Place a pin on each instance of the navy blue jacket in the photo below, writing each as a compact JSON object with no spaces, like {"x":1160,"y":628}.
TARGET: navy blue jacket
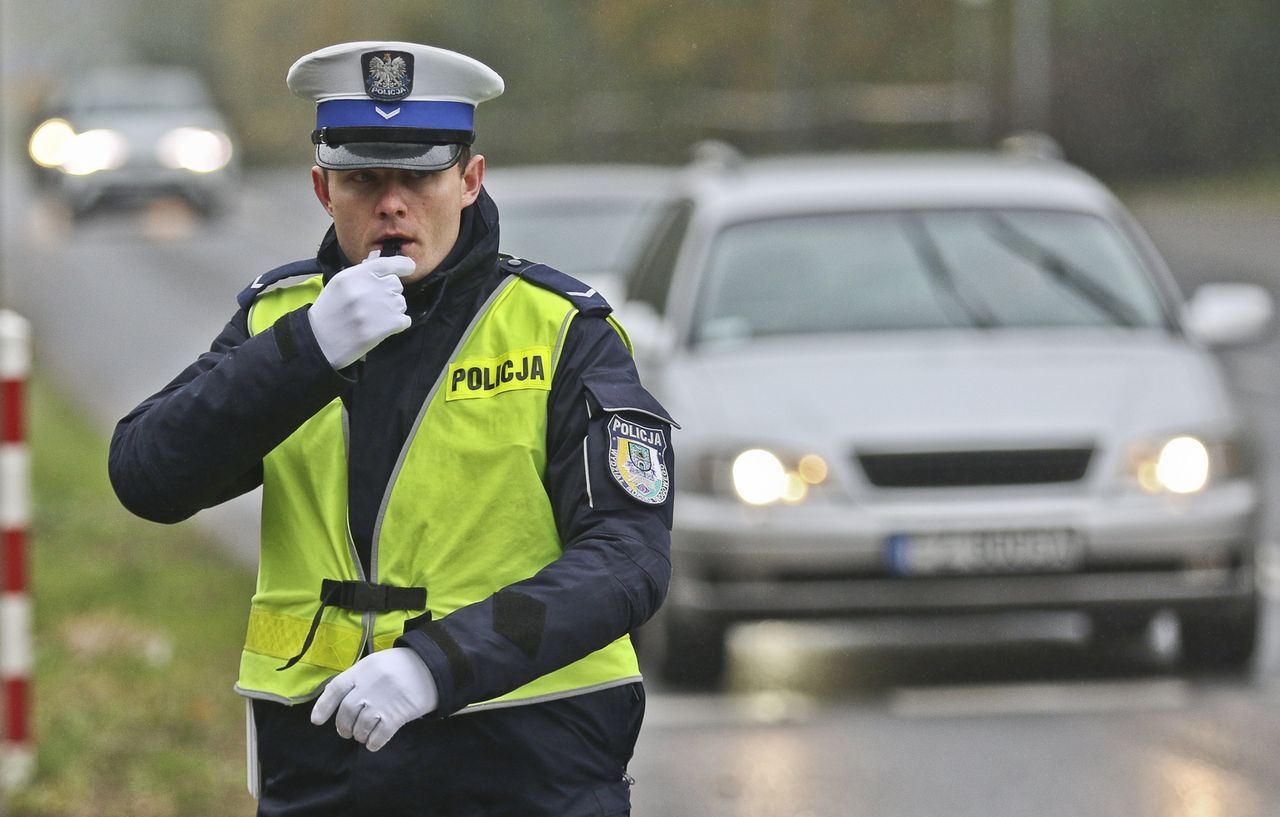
{"x":202,"y":438}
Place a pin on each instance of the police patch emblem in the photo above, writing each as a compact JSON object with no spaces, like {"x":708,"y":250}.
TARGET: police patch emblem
{"x":388,"y":75}
{"x":635,"y":460}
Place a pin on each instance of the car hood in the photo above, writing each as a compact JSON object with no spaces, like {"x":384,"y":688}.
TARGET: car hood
{"x":948,"y":389}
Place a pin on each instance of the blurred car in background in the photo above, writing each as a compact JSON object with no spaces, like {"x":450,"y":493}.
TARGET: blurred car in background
{"x":940,"y":385}
{"x":586,"y":220}
{"x":133,"y":134}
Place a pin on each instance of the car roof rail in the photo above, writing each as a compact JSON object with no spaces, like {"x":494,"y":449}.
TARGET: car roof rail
{"x":1030,"y":144}
{"x":715,"y":155}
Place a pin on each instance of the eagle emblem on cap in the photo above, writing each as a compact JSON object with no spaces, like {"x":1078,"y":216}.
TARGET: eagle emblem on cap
{"x":388,"y":75}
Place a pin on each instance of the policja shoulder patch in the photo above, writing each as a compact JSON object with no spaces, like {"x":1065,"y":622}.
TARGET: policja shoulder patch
{"x":636,"y":461}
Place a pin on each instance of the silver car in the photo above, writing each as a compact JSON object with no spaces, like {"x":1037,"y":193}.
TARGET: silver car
{"x":134,"y":134}
{"x":941,"y":385}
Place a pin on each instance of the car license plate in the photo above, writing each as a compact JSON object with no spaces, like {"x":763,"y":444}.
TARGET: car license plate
{"x":969,"y":552}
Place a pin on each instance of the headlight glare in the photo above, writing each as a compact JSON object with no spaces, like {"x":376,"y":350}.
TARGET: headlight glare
{"x":93,"y":151}
{"x":50,"y":142}
{"x":1182,"y":466}
{"x":759,"y":477}
{"x":812,"y":469}
{"x":195,"y":149}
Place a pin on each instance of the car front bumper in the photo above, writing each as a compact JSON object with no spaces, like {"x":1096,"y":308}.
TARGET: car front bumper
{"x":733,"y":562}
{"x":134,"y":182}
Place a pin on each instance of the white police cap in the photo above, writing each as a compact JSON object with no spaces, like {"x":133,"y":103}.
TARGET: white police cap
{"x":392,"y":104}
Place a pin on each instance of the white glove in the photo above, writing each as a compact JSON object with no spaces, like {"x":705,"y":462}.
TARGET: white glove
{"x":378,"y":695}
{"x":360,"y":307}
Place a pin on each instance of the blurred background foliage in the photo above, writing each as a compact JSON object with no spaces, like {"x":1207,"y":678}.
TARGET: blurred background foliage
{"x":1128,"y":88}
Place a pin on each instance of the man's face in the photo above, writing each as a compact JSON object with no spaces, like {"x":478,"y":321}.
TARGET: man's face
{"x":421,"y":208}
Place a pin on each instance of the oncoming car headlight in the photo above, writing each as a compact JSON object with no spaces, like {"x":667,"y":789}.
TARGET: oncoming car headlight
{"x":50,"y":142}
{"x":93,"y":151}
{"x":56,"y":144}
{"x":195,"y":149}
{"x":760,"y":477}
{"x":1181,"y":465}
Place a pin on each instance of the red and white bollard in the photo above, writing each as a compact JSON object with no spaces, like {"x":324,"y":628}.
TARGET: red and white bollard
{"x":18,"y":761}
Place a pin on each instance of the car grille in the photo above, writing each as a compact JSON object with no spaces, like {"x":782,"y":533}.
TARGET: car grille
{"x":948,"y":469}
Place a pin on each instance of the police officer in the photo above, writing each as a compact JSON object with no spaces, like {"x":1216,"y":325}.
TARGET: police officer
{"x":466,"y":489}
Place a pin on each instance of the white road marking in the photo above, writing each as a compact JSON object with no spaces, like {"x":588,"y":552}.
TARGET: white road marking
{"x":1040,"y":699}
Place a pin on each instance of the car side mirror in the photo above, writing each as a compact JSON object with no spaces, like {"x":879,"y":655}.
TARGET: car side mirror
{"x":651,"y":336}
{"x":1227,"y":314}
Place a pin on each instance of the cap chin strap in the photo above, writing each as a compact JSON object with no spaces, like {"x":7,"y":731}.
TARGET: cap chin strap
{"x":336,"y":137}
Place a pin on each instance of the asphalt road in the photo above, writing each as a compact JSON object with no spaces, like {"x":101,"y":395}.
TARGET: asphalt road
{"x":891,"y":719}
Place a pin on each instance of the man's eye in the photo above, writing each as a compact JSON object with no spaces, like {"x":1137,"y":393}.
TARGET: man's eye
{"x":420,"y":174}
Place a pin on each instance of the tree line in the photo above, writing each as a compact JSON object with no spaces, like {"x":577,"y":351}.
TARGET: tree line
{"x":1160,"y":85}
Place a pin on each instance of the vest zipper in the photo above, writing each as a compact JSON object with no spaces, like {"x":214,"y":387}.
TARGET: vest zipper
{"x":366,"y":619}
{"x":376,"y":540}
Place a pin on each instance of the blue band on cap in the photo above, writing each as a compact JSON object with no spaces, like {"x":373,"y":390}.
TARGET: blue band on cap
{"x":347,"y":113}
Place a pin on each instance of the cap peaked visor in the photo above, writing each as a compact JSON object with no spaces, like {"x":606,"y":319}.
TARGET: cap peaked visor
{"x":408,"y":135}
{"x":395,"y":155}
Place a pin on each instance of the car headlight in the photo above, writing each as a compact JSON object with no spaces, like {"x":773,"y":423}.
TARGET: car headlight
{"x":195,"y":149}
{"x":50,"y":142}
{"x":757,"y":476}
{"x":1182,"y":465}
{"x":93,"y":151}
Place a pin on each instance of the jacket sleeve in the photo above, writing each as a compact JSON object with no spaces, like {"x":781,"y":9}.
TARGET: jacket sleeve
{"x":200,"y":440}
{"x":615,"y":566}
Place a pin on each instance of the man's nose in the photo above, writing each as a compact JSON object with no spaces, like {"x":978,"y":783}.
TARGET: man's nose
{"x":392,"y":200}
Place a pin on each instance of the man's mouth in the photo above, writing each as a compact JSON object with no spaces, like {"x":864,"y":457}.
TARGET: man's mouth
{"x":392,"y":244}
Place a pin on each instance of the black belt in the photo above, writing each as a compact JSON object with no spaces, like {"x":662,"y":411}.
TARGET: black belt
{"x":362,"y":597}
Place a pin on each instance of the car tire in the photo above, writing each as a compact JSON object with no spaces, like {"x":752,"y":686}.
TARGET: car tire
{"x":1119,"y":631}
{"x":694,"y":651}
{"x":207,"y":207}
{"x":1221,"y":640}
{"x":81,"y":210}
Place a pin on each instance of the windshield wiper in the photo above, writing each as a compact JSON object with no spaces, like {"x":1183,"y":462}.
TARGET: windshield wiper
{"x":1060,"y":270}
{"x":978,"y":314}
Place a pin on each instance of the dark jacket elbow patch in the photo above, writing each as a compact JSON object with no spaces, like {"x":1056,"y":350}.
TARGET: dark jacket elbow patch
{"x":520,"y":619}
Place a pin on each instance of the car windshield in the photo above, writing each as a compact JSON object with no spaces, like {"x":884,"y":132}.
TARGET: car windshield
{"x":140,"y":91}
{"x":578,"y":237}
{"x":884,"y":271}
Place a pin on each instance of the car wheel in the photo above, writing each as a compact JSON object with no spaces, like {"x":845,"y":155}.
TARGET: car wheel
{"x":207,"y":207}
{"x":1119,"y":631}
{"x":81,"y":210}
{"x":693,"y":652}
{"x":1220,"y":640}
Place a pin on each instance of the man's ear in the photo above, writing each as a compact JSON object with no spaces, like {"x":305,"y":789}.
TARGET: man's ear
{"x":472,"y":178}
{"x":320,"y":184}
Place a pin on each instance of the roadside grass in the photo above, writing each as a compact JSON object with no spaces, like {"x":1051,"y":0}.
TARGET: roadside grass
{"x":137,"y":635}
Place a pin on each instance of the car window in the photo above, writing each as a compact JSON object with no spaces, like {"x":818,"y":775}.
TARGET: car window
{"x":140,"y":91}
{"x":921,"y":270}
{"x":579,"y":237}
{"x":650,"y":280}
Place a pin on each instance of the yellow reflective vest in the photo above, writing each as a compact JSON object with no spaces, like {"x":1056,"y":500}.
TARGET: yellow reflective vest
{"x":465,"y":515}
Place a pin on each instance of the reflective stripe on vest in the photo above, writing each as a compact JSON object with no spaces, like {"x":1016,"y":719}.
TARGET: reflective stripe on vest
{"x":465,"y":515}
